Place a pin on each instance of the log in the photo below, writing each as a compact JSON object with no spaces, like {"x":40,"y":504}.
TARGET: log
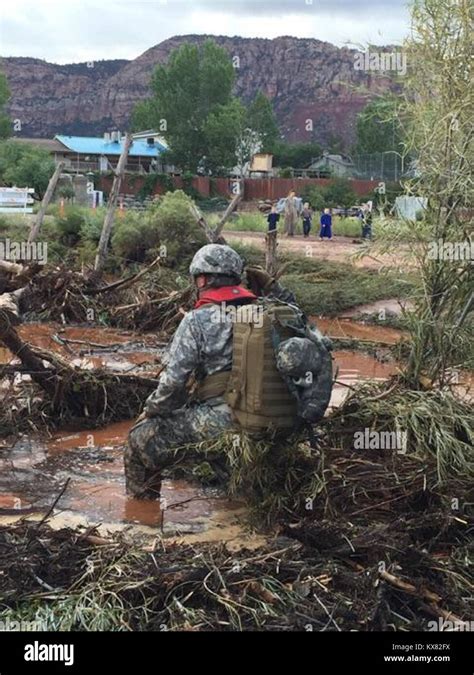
{"x":123,"y":283}
{"x":39,"y":373}
{"x":45,"y":202}
{"x":9,"y":306}
{"x":271,"y":263}
{"x":227,"y":213}
{"x":10,"y":267}
{"x":109,"y":216}
{"x":201,"y":221}
{"x":213,"y":235}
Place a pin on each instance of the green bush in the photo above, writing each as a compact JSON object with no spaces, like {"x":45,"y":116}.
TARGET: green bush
{"x":92,"y":225}
{"x":68,"y":226}
{"x":167,"y":223}
{"x":339,"y":193}
{"x":314,"y":194}
{"x":133,"y":236}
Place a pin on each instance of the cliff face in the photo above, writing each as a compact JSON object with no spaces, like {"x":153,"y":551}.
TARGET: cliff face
{"x":304,"y":78}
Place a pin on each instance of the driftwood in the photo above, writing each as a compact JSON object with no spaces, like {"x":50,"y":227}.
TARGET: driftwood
{"x":123,"y":283}
{"x":271,"y":263}
{"x":109,"y":216}
{"x":10,"y":338}
{"x":45,"y":202}
{"x":213,"y":235}
{"x":74,"y":393}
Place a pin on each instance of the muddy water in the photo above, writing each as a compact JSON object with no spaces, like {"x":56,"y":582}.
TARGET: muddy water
{"x":345,"y":328}
{"x":90,"y":347}
{"x":33,"y":471}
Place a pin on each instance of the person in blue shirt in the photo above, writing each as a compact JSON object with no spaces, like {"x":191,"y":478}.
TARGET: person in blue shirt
{"x":272,"y":219}
{"x":326,"y":225}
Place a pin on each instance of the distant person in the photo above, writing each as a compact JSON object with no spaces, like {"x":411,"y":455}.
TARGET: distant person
{"x":326,"y":225}
{"x":291,"y":214}
{"x":307,"y":215}
{"x":272,"y":219}
{"x":367,"y":221}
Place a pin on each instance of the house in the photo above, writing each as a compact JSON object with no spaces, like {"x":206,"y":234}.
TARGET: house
{"x":333,"y":165}
{"x":87,"y":153}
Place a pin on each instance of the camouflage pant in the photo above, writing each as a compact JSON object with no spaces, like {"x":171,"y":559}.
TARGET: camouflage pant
{"x":152,"y":443}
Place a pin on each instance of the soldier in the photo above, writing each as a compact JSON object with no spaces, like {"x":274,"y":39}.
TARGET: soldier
{"x":203,"y":347}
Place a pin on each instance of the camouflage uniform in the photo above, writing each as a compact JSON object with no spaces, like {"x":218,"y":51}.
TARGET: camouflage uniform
{"x":202,"y":346}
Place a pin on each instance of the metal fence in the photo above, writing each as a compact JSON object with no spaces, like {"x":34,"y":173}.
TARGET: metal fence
{"x":387,"y":166}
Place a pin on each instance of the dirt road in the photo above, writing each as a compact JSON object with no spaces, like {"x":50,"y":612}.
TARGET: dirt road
{"x":339,"y":249}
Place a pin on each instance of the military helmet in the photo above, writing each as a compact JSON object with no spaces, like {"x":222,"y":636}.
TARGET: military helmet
{"x":216,"y":259}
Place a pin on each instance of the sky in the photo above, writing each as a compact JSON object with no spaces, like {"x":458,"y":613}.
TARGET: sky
{"x":72,"y":31}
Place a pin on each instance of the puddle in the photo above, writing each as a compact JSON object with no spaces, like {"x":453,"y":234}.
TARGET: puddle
{"x":345,"y":328}
{"x":89,"y":347}
{"x":354,"y":367}
{"x":33,"y":471}
{"x":393,"y":306}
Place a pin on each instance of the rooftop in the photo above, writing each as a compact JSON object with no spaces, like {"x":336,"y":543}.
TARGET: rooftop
{"x":90,"y":145}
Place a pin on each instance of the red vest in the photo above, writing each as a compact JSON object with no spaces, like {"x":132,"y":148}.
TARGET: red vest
{"x":216,"y":296}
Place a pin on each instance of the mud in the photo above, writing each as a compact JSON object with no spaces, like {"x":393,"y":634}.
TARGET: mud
{"x":34,"y":470}
{"x":339,"y":249}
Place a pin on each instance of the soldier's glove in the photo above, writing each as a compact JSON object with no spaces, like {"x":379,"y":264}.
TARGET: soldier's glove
{"x":259,"y":280}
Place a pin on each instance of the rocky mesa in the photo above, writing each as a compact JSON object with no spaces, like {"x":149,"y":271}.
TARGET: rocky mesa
{"x":305,"y":79}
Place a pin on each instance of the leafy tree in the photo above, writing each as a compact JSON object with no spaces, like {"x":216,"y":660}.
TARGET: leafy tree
{"x":5,"y":122}
{"x":378,"y":127}
{"x":339,"y":193}
{"x":314,"y":195}
{"x":223,"y":127}
{"x":262,"y":120}
{"x":24,"y":165}
{"x":296,"y":155}
{"x":191,"y":86}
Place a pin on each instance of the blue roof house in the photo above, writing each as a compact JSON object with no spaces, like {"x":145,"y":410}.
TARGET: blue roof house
{"x":88,"y":153}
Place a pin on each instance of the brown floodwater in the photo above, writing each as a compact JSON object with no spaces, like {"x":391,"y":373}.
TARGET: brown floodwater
{"x":34,"y":470}
{"x":345,"y":328}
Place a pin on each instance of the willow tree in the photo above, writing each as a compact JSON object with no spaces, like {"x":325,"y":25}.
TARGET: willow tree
{"x":436,"y":114}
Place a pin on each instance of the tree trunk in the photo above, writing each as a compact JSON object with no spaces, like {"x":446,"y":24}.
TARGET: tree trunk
{"x":39,"y":373}
{"x":45,"y":202}
{"x":109,"y":216}
{"x":271,"y":262}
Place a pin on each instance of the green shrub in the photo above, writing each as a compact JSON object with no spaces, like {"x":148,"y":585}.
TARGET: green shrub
{"x":133,"y":236}
{"x":339,"y":193}
{"x":314,"y":194}
{"x":346,"y":227}
{"x":92,"y":225}
{"x":69,"y":225}
{"x":167,"y":223}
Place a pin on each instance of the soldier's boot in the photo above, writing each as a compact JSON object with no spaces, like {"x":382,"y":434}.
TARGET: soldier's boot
{"x":140,"y":481}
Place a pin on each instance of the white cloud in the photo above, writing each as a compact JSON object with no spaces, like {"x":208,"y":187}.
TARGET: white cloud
{"x":65,"y":31}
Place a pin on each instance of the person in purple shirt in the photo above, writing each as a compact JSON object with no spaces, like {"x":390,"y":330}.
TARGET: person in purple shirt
{"x":326,"y":225}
